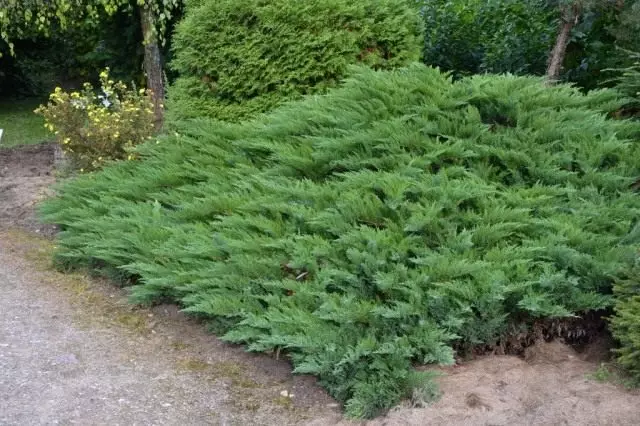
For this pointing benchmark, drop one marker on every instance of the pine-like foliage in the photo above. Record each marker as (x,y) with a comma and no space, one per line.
(628,82)
(236,59)
(625,325)
(386,223)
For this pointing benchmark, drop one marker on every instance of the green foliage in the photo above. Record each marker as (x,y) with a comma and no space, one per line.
(34,74)
(236,59)
(612,373)
(625,325)
(94,128)
(605,29)
(24,18)
(473,36)
(628,82)
(395,220)
(70,57)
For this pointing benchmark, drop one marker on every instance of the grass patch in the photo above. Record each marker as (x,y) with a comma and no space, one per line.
(20,124)
(609,372)
(194,365)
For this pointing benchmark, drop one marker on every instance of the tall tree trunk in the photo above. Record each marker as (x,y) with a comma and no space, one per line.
(153,64)
(570,15)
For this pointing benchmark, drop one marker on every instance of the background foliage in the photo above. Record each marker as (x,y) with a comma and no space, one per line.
(473,36)
(399,219)
(236,59)
(67,58)
(627,81)
(496,36)
(604,32)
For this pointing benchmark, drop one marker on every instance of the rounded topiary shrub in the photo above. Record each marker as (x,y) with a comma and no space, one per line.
(236,59)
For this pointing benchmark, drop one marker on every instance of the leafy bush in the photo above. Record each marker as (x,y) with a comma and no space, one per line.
(395,220)
(94,128)
(473,36)
(236,59)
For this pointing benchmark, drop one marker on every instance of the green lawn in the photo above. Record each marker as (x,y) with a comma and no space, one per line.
(21,126)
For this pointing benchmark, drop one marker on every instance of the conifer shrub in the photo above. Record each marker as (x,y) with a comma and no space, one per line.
(628,82)
(625,325)
(399,219)
(236,59)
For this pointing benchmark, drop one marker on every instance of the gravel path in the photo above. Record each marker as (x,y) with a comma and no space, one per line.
(71,353)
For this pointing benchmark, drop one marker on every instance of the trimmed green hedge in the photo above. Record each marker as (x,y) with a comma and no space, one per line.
(236,59)
(396,220)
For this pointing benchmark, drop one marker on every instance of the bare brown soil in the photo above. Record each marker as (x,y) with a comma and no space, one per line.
(26,174)
(98,360)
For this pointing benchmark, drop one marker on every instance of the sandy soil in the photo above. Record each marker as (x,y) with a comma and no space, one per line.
(551,386)
(72,351)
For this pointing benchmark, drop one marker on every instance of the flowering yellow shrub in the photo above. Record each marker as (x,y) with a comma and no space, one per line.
(94,126)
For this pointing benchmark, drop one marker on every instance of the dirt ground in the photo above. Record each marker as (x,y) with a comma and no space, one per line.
(25,176)
(549,387)
(72,351)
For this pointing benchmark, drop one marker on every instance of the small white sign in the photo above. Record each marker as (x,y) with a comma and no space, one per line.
(1,135)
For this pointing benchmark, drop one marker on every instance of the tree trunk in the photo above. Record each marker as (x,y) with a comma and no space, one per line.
(153,64)
(556,58)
